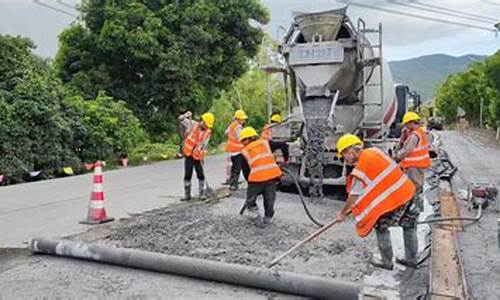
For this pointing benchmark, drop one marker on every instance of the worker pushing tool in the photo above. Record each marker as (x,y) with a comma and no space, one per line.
(413,154)
(195,149)
(380,195)
(234,146)
(262,173)
(267,135)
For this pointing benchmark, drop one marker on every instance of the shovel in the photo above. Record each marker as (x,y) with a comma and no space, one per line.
(208,190)
(304,241)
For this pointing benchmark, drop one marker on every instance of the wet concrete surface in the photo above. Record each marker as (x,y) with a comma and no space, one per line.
(214,231)
(478,244)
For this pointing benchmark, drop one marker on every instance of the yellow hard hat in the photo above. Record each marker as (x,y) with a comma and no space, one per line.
(240,115)
(276,118)
(209,119)
(410,116)
(346,141)
(247,132)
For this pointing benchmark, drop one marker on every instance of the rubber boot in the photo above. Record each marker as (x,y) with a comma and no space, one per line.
(385,249)
(201,190)
(187,191)
(411,248)
(267,220)
(234,185)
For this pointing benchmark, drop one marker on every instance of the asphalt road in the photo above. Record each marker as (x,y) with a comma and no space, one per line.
(477,161)
(53,208)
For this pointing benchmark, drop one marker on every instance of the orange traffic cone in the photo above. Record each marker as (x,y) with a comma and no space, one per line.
(97,212)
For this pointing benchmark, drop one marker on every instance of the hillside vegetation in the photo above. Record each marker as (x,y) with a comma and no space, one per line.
(466,90)
(424,74)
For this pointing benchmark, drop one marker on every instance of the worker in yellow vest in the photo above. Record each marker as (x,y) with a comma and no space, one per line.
(281,158)
(234,147)
(262,173)
(413,154)
(194,150)
(378,195)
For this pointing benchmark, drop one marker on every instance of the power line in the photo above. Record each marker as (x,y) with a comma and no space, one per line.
(418,6)
(456,11)
(397,12)
(54,8)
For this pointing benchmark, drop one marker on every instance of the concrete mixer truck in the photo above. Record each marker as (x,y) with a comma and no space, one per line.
(339,84)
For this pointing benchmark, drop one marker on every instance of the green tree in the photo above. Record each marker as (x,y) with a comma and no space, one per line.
(105,127)
(250,94)
(161,57)
(34,133)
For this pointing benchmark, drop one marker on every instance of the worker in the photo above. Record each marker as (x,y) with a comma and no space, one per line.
(413,154)
(184,124)
(266,131)
(282,146)
(379,194)
(261,172)
(234,147)
(195,148)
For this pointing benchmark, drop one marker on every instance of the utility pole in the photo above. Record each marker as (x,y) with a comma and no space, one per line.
(481,113)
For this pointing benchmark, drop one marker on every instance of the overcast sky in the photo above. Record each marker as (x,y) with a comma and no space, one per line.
(404,37)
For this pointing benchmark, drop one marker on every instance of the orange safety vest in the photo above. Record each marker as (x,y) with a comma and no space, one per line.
(192,144)
(233,142)
(266,133)
(386,188)
(418,157)
(263,167)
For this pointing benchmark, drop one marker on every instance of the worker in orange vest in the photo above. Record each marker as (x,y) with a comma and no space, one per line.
(234,147)
(194,150)
(413,154)
(278,145)
(379,195)
(262,173)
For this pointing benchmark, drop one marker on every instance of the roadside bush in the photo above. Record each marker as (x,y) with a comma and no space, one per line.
(105,127)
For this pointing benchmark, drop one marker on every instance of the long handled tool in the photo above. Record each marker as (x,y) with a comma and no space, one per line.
(209,191)
(301,243)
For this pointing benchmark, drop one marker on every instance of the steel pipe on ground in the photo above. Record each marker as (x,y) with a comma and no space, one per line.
(260,278)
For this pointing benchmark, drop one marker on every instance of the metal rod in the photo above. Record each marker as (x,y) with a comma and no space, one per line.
(260,278)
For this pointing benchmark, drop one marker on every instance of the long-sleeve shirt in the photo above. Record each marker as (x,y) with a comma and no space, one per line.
(416,175)
(185,125)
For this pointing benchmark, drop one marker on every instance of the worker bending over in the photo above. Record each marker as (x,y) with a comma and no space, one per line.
(234,147)
(267,135)
(261,172)
(195,148)
(379,194)
(413,155)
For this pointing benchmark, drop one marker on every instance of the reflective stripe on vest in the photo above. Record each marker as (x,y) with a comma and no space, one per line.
(418,157)
(266,133)
(194,141)
(263,167)
(386,188)
(233,142)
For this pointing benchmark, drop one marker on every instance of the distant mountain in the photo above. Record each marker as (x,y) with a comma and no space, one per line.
(425,73)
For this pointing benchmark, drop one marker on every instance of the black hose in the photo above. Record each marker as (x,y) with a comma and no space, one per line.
(301,195)
(473,219)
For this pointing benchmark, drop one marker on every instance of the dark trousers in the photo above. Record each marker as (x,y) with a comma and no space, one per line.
(268,190)
(235,169)
(283,146)
(189,164)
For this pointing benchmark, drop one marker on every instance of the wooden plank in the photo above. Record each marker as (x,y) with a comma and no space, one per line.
(449,208)
(446,273)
